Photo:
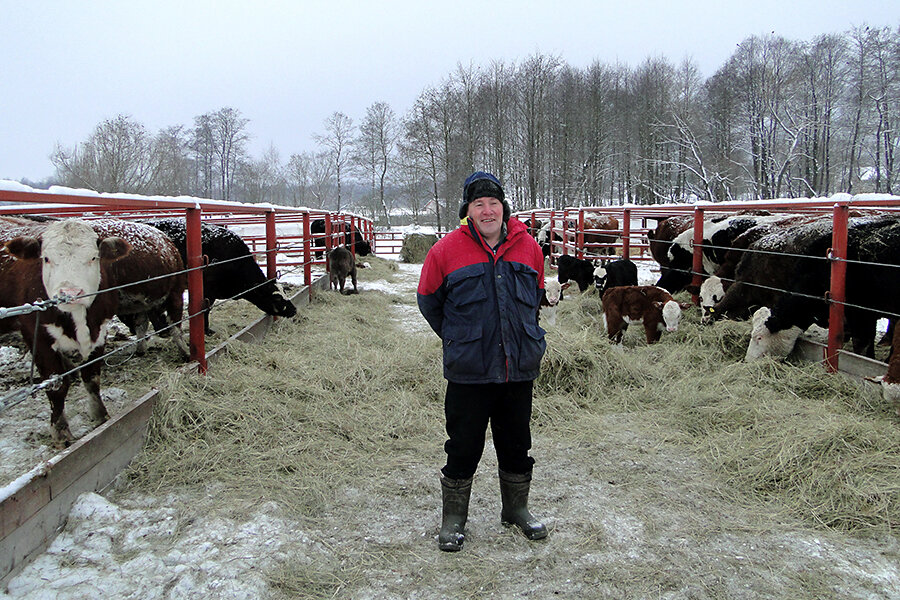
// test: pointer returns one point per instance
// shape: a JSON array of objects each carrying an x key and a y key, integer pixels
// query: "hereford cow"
[
  {"x": 615, "y": 273},
  {"x": 552, "y": 294},
  {"x": 872, "y": 287},
  {"x": 352, "y": 239},
  {"x": 579, "y": 270},
  {"x": 64, "y": 257},
  {"x": 340, "y": 264},
  {"x": 647, "y": 304},
  {"x": 151, "y": 281},
  {"x": 601, "y": 229},
  {"x": 232, "y": 272}
]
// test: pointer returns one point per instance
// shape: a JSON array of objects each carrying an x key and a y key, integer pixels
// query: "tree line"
[{"x": 780, "y": 119}]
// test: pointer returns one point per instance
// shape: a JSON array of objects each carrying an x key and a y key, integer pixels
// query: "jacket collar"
[{"x": 513, "y": 228}]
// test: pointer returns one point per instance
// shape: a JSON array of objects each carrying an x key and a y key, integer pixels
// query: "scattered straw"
[{"x": 341, "y": 392}]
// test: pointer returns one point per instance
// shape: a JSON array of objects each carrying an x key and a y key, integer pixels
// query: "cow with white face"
[
  {"x": 763, "y": 342},
  {"x": 61, "y": 258},
  {"x": 553, "y": 290},
  {"x": 712, "y": 290},
  {"x": 649, "y": 305}
]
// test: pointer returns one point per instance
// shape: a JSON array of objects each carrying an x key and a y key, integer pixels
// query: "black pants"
[{"x": 469, "y": 408}]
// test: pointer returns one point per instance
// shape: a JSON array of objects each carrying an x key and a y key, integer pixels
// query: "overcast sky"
[{"x": 66, "y": 65}]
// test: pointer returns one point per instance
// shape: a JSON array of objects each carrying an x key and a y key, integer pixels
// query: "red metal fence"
[
  {"x": 284, "y": 233},
  {"x": 566, "y": 231},
  {"x": 284, "y": 238}
]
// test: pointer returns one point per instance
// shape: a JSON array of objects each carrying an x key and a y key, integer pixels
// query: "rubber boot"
[
  {"x": 514, "y": 490},
  {"x": 455, "y": 495}
]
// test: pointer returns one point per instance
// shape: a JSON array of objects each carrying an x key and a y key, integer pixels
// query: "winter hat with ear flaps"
[{"x": 482, "y": 185}]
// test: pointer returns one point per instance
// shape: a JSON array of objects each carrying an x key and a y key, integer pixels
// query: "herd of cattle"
[
  {"x": 139, "y": 266},
  {"x": 771, "y": 269}
]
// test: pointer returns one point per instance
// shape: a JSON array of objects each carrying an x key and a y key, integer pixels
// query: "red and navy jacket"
[{"x": 484, "y": 304}]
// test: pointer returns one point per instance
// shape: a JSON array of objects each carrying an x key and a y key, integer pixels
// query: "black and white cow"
[
  {"x": 718, "y": 235},
  {"x": 614, "y": 274},
  {"x": 872, "y": 288},
  {"x": 579, "y": 270},
  {"x": 232, "y": 272}
]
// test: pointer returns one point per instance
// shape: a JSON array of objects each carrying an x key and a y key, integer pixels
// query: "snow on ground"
[
  {"x": 212, "y": 557},
  {"x": 173, "y": 559}
]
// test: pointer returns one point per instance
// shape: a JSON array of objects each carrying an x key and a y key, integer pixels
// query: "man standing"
[{"x": 480, "y": 291}]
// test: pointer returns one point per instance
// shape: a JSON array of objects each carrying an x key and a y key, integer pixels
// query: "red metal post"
[
  {"x": 626, "y": 233},
  {"x": 352, "y": 235},
  {"x": 195, "y": 288},
  {"x": 697, "y": 265},
  {"x": 837, "y": 293},
  {"x": 563, "y": 234},
  {"x": 579, "y": 235},
  {"x": 307, "y": 251},
  {"x": 327, "y": 236},
  {"x": 271, "y": 246}
]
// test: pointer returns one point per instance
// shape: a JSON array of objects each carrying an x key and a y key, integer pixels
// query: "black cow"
[
  {"x": 872, "y": 286},
  {"x": 615, "y": 273},
  {"x": 361, "y": 247},
  {"x": 232, "y": 271},
  {"x": 579, "y": 270}
]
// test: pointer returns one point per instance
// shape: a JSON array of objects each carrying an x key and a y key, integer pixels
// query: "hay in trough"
[{"x": 416, "y": 246}]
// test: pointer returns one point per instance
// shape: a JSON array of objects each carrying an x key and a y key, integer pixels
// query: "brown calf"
[{"x": 647, "y": 304}]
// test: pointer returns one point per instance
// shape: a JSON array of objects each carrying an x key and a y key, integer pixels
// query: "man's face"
[{"x": 487, "y": 214}]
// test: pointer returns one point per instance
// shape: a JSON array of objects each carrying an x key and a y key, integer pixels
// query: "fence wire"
[{"x": 19, "y": 395}]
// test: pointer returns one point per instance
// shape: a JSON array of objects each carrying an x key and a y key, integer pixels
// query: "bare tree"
[
  {"x": 375, "y": 147},
  {"x": 885, "y": 93},
  {"x": 172, "y": 153},
  {"x": 421, "y": 145},
  {"x": 338, "y": 140},
  {"x": 203, "y": 145},
  {"x": 230, "y": 137},
  {"x": 263, "y": 180},
  {"x": 535, "y": 78},
  {"x": 117, "y": 157}
]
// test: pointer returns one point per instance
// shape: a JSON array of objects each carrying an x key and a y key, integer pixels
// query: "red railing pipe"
[
  {"x": 271, "y": 246},
  {"x": 697, "y": 265},
  {"x": 837, "y": 292},
  {"x": 196, "y": 303},
  {"x": 626, "y": 233},
  {"x": 307, "y": 251}
]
